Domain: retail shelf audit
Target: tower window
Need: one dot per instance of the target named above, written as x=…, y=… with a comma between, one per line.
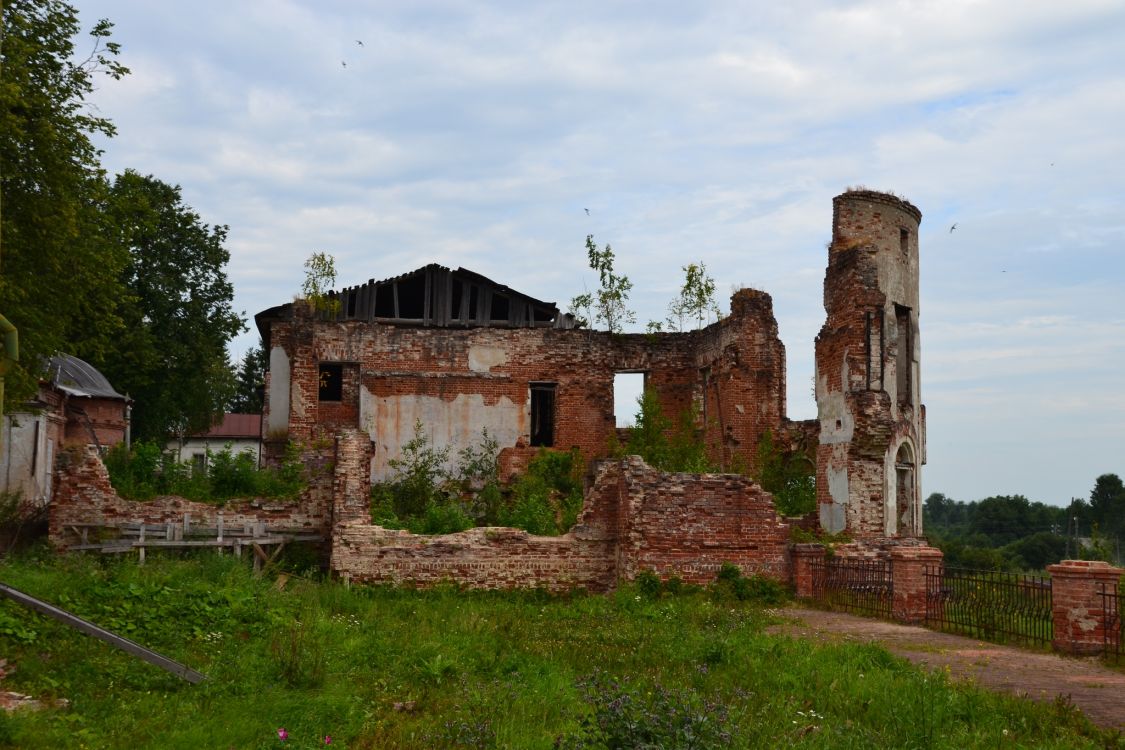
x=904, y=240
x=904, y=363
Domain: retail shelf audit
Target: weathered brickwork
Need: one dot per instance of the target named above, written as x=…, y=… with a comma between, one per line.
x=872, y=425
x=351, y=390
x=635, y=518
x=1079, y=614
x=83, y=495
x=456, y=381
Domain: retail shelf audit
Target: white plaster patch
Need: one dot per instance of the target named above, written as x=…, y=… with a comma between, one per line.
x=836, y=422
x=838, y=484
x=449, y=423
x=739, y=408
x=484, y=358
x=279, y=392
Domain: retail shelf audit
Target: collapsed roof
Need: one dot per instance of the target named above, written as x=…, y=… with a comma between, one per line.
x=434, y=295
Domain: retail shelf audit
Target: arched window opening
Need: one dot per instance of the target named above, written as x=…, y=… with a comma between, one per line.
x=904, y=490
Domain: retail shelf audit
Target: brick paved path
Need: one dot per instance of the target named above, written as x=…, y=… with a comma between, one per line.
x=1098, y=691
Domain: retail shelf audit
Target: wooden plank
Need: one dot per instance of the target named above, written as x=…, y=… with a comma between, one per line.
x=89, y=628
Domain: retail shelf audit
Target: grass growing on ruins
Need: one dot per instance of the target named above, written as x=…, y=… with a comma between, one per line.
x=382, y=668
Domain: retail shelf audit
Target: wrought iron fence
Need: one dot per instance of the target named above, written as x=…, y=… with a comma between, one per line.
x=990, y=605
x=854, y=585
x=1111, y=616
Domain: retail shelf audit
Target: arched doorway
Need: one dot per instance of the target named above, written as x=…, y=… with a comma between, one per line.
x=904, y=490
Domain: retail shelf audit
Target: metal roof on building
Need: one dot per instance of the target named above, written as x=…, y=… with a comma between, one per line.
x=78, y=378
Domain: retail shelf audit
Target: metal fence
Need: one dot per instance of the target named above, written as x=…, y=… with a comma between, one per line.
x=990, y=605
x=1111, y=616
x=862, y=586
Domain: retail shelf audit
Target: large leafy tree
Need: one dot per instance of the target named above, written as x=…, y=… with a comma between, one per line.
x=60, y=278
x=172, y=357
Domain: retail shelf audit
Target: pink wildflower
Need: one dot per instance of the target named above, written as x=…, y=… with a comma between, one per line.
x=327, y=739
x=282, y=734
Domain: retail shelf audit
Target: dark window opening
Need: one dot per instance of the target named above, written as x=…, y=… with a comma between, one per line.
x=542, y=415
x=904, y=240
x=385, y=301
x=455, y=302
x=543, y=315
x=352, y=296
x=904, y=364
x=499, y=308
x=473, y=302
x=412, y=298
x=331, y=382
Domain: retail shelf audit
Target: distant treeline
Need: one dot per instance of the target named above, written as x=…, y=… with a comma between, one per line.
x=1010, y=532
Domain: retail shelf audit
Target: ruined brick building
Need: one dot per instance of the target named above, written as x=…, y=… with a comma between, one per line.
x=75, y=405
x=460, y=353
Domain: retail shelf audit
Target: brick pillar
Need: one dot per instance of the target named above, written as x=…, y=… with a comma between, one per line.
x=802, y=557
x=908, y=573
x=1079, y=620
x=351, y=486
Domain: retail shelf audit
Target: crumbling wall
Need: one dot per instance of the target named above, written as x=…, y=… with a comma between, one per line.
x=635, y=518
x=867, y=371
x=83, y=495
x=459, y=381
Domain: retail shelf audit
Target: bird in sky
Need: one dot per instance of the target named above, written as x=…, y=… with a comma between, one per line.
x=359, y=42
x=953, y=227
x=343, y=63
x=587, y=211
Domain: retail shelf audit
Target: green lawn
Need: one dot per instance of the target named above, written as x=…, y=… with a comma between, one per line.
x=380, y=668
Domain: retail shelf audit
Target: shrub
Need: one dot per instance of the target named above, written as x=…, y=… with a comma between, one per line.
x=730, y=583
x=145, y=470
x=664, y=445
x=649, y=584
x=790, y=476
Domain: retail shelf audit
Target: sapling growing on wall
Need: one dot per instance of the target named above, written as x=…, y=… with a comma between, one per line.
x=320, y=278
x=696, y=300
x=608, y=302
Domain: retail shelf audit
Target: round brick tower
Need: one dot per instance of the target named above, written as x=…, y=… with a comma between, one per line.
x=872, y=422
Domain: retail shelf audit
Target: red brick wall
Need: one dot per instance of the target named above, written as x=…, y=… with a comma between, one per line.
x=635, y=518
x=83, y=495
x=745, y=358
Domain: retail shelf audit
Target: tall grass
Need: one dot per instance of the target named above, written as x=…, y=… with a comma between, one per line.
x=383, y=668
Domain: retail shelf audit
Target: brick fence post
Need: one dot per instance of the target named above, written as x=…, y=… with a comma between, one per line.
x=803, y=556
x=1076, y=604
x=908, y=574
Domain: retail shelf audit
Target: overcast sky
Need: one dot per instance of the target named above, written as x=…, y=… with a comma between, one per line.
x=477, y=134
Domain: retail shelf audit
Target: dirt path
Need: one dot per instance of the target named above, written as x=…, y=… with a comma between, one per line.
x=1098, y=691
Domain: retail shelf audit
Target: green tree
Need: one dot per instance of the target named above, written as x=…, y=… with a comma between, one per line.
x=696, y=300
x=609, y=302
x=320, y=278
x=789, y=475
x=663, y=444
x=172, y=357
x=1107, y=505
x=61, y=278
x=249, y=379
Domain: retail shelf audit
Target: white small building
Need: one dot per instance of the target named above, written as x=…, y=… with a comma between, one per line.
x=242, y=432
